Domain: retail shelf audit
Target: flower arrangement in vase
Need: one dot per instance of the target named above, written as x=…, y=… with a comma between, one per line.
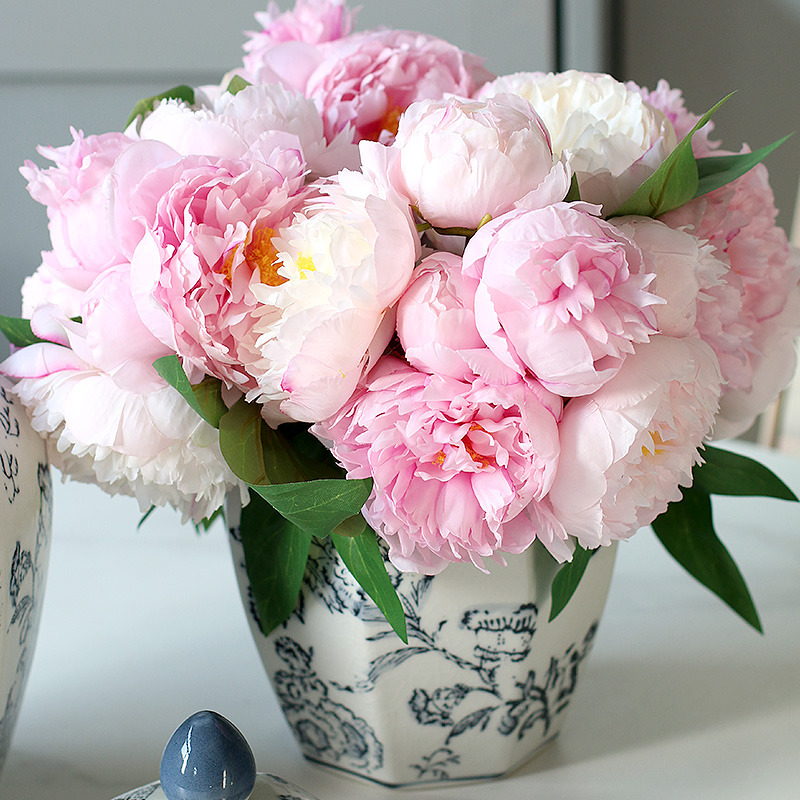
x=424, y=315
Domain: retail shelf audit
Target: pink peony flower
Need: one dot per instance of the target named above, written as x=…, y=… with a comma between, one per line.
x=74, y=192
x=692, y=282
x=670, y=102
x=436, y=325
x=460, y=160
x=310, y=21
x=561, y=294
x=739, y=222
x=255, y=120
x=454, y=465
x=368, y=80
x=108, y=417
x=611, y=138
x=208, y=242
x=627, y=448
x=92, y=229
x=772, y=371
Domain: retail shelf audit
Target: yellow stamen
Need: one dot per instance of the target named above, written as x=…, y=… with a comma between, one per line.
x=305, y=264
x=484, y=461
x=440, y=457
x=261, y=254
x=227, y=263
x=391, y=122
x=657, y=441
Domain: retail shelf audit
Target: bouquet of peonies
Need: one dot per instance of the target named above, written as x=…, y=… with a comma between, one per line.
x=376, y=293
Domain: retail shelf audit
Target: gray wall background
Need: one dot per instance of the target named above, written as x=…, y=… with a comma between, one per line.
x=85, y=63
x=709, y=48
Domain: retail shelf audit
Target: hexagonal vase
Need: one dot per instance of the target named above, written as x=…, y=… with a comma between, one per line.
x=481, y=686
x=25, y=526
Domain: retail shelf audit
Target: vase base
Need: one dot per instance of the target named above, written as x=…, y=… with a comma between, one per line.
x=432, y=784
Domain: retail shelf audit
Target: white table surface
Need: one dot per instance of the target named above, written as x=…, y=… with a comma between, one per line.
x=679, y=699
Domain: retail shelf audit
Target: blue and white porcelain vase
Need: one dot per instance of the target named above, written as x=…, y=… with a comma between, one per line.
x=25, y=526
x=481, y=686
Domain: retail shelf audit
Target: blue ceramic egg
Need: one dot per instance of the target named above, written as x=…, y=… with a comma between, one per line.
x=207, y=758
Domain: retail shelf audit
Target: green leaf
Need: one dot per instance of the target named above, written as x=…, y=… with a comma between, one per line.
x=574, y=193
x=673, y=183
x=686, y=529
x=567, y=579
x=204, y=397
x=170, y=369
x=208, y=394
x=146, y=105
x=240, y=442
x=18, y=331
x=352, y=526
x=729, y=473
x=317, y=506
x=207, y=522
x=716, y=171
x=311, y=451
x=145, y=516
x=275, y=553
x=362, y=556
x=281, y=459
x=236, y=84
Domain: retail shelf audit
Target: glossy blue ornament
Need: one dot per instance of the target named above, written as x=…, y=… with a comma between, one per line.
x=207, y=758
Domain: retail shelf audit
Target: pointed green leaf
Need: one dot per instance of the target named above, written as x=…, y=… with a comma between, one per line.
x=574, y=193
x=207, y=522
x=729, y=473
x=673, y=183
x=18, y=331
x=208, y=394
x=171, y=370
x=240, y=442
x=716, y=171
x=275, y=553
x=317, y=506
x=236, y=84
x=145, y=516
x=362, y=556
x=147, y=104
x=205, y=397
x=686, y=529
x=567, y=579
x=352, y=526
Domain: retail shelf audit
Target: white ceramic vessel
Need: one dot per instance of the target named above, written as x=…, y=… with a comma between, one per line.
x=480, y=687
x=25, y=527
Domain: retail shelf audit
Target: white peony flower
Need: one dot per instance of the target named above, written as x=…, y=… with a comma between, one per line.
x=151, y=446
x=108, y=418
x=612, y=138
x=344, y=263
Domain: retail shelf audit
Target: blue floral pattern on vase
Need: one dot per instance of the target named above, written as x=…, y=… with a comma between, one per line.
x=25, y=525
x=471, y=677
